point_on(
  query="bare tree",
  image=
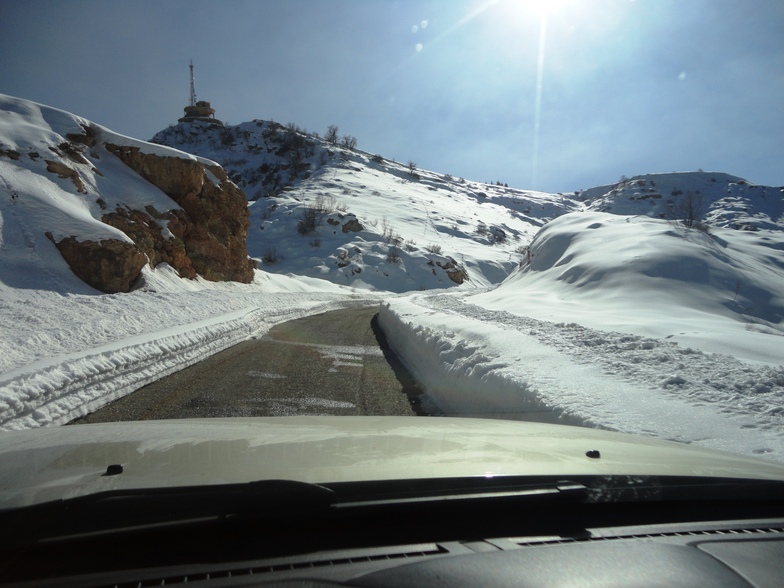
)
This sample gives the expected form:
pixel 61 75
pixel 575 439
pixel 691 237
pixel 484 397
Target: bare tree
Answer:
pixel 689 211
pixel 331 136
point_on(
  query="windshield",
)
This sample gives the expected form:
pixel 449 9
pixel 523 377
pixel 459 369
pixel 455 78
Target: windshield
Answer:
pixel 563 212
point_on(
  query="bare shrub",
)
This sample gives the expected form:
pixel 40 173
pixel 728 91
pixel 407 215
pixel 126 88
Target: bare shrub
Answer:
pixel 270 256
pixel 313 214
pixel 386 228
pixel 323 158
pixel 434 248
pixel 393 255
pixel 325 203
pixel 308 221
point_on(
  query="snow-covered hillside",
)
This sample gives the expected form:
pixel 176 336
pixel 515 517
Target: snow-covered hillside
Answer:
pixel 66 348
pixel 635 274
pixel 601 307
pixel 717 199
pixel 411 229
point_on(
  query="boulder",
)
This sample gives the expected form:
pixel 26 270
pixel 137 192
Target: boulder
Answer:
pixel 352 226
pixel 453 270
pixel 110 265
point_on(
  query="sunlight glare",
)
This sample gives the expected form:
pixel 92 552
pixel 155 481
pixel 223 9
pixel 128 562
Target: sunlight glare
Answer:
pixel 526 8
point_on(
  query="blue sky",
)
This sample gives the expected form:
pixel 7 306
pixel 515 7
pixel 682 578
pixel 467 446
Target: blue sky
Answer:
pixel 466 87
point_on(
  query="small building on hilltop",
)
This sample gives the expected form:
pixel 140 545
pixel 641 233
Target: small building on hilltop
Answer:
pixel 198 110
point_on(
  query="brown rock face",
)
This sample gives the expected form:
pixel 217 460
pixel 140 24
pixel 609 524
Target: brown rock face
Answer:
pixel 146 232
pixel 210 230
pixel 454 271
pixel 352 226
pixel 110 266
pixel 63 171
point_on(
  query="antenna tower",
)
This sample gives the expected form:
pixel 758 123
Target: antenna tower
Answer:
pixel 193 87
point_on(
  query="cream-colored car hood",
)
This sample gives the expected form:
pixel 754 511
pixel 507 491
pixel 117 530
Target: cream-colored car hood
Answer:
pixel 62 462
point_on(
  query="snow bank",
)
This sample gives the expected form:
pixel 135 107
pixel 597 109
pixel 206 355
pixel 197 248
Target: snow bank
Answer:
pixel 473 361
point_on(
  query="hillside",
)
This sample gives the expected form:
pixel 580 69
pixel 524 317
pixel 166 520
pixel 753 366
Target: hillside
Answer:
pixel 379 224
pixel 384 225
pixel 716 198
pixel 103 207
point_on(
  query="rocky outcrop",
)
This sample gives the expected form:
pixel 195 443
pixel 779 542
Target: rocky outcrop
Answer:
pixel 352 225
pixel 453 270
pixel 348 223
pixel 63 171
pixel 110 265
pixel 146 229
pixel 209 231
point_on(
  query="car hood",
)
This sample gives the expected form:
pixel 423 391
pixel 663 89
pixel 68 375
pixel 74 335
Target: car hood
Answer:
pixel 46 464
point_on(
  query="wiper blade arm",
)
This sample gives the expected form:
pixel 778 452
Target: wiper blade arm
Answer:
pixel 116 510
pixel 565 490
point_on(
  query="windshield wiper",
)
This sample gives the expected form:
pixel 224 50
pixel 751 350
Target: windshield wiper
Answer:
pixel 138 508
pixel 545 491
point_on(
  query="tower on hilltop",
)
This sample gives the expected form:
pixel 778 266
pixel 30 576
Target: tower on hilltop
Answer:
pixel 198 110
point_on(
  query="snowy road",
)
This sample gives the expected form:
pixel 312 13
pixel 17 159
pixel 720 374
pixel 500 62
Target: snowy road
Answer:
pixel 333 363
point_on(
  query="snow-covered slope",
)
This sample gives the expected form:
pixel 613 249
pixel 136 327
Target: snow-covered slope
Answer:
pixel 716 198
pixel 65 348
pixel 649 277
pixel 417 227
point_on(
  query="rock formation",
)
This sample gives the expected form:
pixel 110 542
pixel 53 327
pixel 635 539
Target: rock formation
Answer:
pixel 209 230
pixel 110 265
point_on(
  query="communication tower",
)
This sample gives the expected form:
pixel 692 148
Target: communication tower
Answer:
pixel 193 87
